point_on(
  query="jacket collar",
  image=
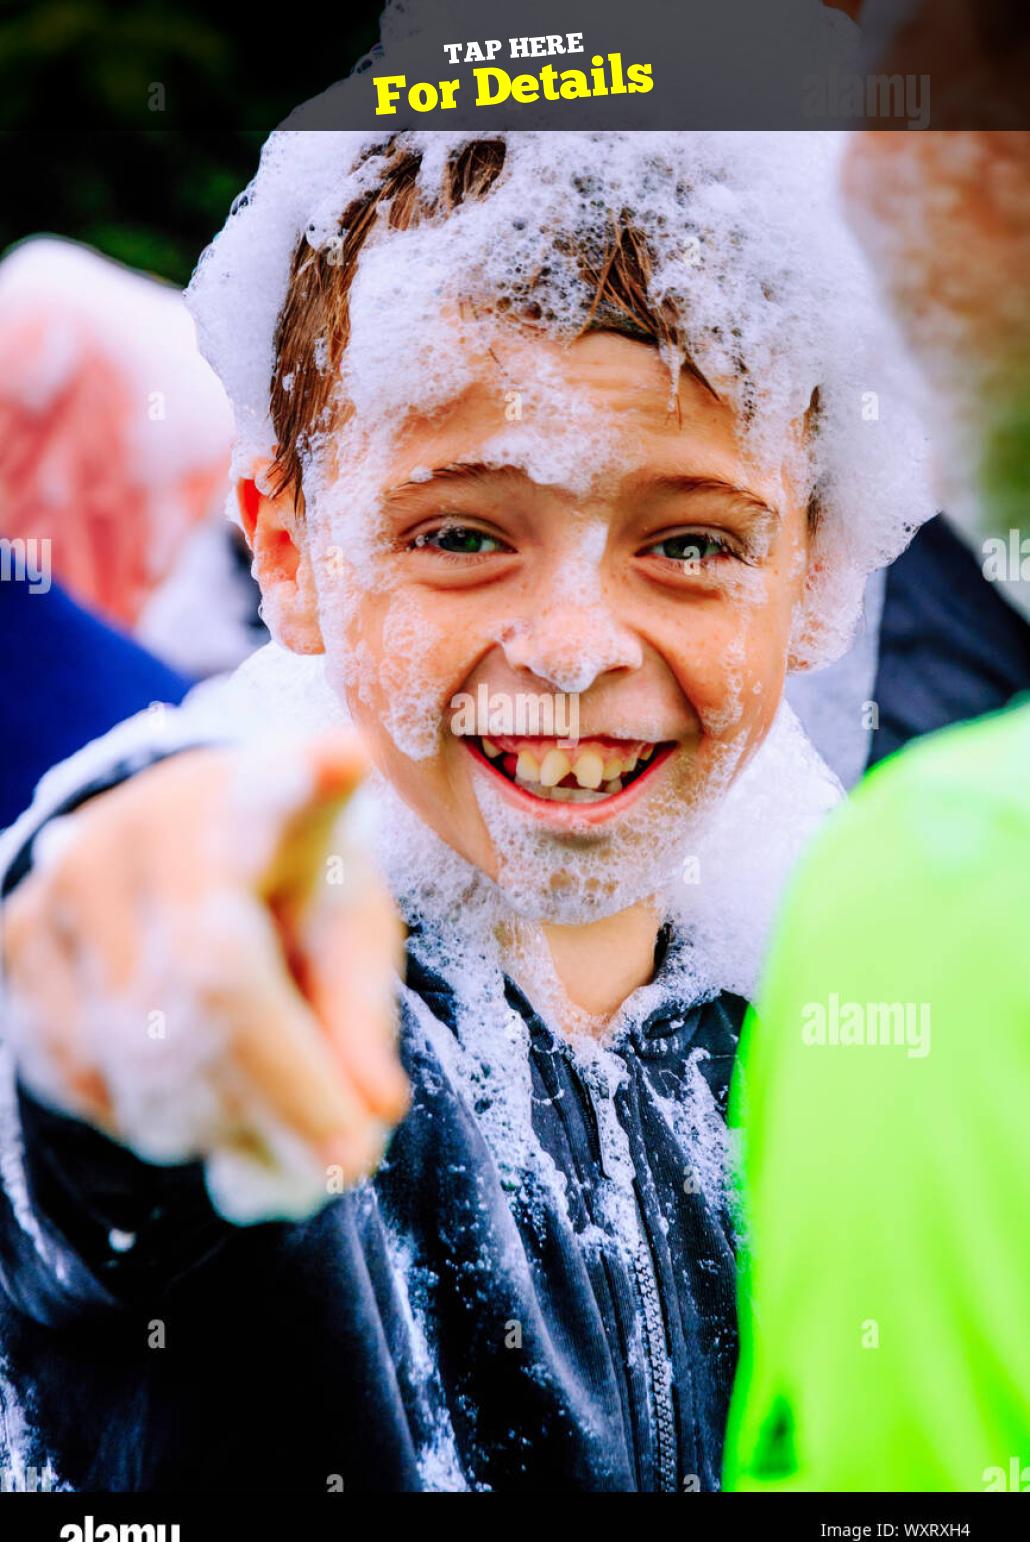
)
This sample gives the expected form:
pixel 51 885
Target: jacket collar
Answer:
pixel 662 1011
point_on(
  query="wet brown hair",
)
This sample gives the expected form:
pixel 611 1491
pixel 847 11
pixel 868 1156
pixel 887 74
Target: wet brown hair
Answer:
pixel 313 328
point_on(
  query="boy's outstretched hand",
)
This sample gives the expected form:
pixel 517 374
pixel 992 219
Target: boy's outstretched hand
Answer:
pixel 203 965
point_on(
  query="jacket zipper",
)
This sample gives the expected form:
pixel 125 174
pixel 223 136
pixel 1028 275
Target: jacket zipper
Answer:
pixel 659 1366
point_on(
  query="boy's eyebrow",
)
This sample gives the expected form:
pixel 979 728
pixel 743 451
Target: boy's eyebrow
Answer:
pixel 647 482
pixel 672 483
pixel 454 471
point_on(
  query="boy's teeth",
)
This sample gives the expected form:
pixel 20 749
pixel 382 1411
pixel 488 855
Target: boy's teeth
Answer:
pixel 553 767
pixel 564 794
pixel 589 770
pixel 597 771
pixel 528 768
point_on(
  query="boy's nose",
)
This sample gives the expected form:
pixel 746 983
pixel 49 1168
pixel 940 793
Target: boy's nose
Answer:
pixel 570 647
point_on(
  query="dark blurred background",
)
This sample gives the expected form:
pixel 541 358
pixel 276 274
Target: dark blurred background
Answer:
pixel 152 196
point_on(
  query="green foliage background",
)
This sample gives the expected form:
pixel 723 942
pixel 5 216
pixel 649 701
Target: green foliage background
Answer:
pixel 152 197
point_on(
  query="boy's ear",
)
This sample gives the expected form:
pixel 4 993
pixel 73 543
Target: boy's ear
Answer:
pixel 282 566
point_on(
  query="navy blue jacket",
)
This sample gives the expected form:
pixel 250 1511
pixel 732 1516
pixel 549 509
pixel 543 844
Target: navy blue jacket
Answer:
pixel 68 678
pixel 951 648
pixel 439 1326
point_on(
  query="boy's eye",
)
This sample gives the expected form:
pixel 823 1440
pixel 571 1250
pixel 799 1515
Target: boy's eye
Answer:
pixel 693 546
pixel 461 539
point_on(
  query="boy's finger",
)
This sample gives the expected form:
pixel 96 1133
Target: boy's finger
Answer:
pixel 341 932
pixel 337 761
pixel 367 1051
pixel 23 916
pixel 43 1027
pixel 289 800
pixel 106 947
pixel 352 960
pixel 279 1046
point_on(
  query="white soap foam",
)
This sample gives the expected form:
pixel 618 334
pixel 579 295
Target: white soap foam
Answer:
pixel 779 304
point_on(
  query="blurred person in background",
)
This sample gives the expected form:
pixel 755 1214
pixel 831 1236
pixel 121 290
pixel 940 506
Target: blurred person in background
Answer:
pixel 122 577
pixel 883 1083
pixel 943 637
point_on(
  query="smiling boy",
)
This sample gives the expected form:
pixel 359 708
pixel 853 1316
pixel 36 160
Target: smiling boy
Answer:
pixel 519 438
pixel 516 586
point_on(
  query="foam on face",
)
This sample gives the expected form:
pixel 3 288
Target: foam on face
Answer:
pixel 413 717
pixel 747 241
pixel 574 605
pixel 571 446
pixel 715 869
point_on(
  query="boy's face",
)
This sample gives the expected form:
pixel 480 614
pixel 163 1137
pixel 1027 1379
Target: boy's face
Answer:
pixel 586 539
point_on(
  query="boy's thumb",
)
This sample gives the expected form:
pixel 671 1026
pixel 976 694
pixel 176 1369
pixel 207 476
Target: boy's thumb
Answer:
pixel 285 804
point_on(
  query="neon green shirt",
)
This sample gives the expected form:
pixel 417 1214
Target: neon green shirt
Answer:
pixel 884 1094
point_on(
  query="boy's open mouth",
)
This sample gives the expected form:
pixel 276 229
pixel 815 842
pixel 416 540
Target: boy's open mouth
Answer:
pixel 592 771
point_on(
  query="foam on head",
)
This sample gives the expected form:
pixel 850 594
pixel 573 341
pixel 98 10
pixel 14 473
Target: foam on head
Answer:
pixel 746 241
